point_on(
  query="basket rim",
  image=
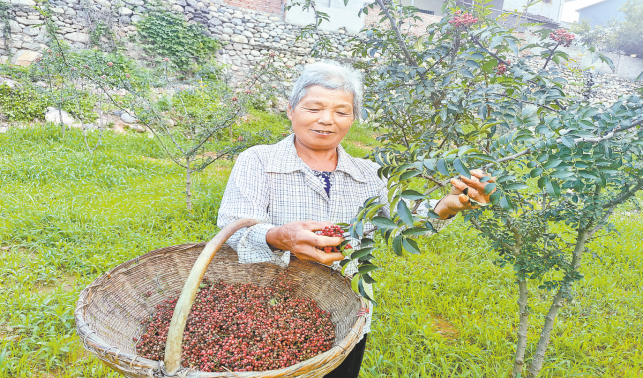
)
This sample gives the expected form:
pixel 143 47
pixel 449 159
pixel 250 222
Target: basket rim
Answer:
pixel 113 356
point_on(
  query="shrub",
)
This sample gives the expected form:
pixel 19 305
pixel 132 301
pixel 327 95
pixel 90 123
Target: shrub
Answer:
pixel 22 103
pixel 167 35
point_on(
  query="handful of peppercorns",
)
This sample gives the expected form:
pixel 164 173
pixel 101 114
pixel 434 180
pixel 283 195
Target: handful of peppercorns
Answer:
pixel 234 327
pixel 333 231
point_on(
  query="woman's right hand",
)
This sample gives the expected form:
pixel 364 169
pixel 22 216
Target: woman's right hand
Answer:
pixel 300 238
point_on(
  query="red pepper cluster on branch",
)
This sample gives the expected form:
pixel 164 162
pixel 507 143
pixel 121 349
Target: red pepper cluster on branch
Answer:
pixel 502 68
pixel 463 19
pixel 563 37
pixel 243 328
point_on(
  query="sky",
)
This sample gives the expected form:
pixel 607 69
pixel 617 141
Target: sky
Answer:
pixel 569 9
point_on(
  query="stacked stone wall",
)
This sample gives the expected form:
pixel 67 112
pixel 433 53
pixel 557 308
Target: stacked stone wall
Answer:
pixel 248 35
pixel 269 6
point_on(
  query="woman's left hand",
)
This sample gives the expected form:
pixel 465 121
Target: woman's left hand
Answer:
pixel 457 201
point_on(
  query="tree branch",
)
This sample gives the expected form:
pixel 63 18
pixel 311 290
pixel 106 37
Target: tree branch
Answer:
pixel 624 196
pixel 609 135
pixel 523 327
pixel 400 39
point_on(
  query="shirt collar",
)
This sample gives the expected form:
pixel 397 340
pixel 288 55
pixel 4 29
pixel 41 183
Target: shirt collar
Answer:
pixel 286 160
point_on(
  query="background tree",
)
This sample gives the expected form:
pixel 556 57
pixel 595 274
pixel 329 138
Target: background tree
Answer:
pixel 196 107
pixel 618 36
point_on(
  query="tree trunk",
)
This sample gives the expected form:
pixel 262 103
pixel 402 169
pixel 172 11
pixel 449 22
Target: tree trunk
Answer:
pixel 523 327
pixel 557 303
pixel 188 184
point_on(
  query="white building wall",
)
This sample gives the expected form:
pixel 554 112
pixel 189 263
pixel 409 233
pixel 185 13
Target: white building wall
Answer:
pixel 430 5
pixel 548 8
pixel 341 16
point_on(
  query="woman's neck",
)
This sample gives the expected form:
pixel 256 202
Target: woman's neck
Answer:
pixel 318 160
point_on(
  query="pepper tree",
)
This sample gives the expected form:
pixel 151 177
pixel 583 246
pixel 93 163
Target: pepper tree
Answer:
pixel 466 93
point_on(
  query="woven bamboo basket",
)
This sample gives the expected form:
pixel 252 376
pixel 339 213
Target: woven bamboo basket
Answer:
pixel 110 310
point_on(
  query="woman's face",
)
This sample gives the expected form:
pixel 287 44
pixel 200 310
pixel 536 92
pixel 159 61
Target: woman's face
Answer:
pixel 322 118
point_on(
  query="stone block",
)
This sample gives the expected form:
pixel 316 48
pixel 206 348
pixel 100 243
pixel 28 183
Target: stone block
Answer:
pixel 31 31
pixel 238 38
pixel 123 11
pixel 227 31
pixel 26 3
pixel 78 37
pixel 26 21
pixel 24 57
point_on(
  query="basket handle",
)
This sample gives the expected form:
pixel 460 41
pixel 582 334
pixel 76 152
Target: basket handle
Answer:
pixel 186 299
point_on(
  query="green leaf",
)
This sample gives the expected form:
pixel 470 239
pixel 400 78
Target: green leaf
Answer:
pixel 529 110
pixel 505 203
pixel 552 163
pixel 515 186
pixel 489 188
pixel 461 168
pixel 404 213
pixel 494 197
pixel 553 189
pixel 472 64
pixel 416 231
pixel 383 223
pixel 482 112
pixel 355 282
pixel 361 253
pixel 365 268
pixel 368 279
pixel 442 167
pixel 568 141
pixel 369 214
pixel 412 195
pixel 562 174
pixel 466 73
pixel 407 175
pixel 536 172
pixel 502 179
pixel 366 292
pixel 397 245
pixel 410 246
pixel 482 157
pixel 429 164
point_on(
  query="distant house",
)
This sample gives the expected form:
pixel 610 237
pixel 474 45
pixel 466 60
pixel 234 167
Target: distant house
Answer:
pixel 345 16
pixel 598 14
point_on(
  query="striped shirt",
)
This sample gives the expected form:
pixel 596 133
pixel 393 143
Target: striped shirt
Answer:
pixel 272 184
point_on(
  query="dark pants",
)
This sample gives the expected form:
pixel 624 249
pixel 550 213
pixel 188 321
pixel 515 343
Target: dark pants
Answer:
pixel 349 368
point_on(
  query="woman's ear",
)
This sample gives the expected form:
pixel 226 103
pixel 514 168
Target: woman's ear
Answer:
pixel 289 112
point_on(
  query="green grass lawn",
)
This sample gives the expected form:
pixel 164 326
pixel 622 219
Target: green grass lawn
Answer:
pixel 67 216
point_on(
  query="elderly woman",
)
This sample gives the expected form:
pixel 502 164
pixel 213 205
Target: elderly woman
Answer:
pixel 307 182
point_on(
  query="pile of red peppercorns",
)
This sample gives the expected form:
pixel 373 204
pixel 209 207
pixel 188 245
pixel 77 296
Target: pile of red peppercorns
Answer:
pixel 563 37
pixel 234 327
pixel 463 19
pixel 332 231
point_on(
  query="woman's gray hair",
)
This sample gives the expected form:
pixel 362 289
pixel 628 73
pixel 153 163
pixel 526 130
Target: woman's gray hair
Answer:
pixel 330 75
